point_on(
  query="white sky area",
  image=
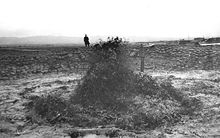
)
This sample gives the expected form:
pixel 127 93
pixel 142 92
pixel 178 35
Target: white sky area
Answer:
pixel 124 18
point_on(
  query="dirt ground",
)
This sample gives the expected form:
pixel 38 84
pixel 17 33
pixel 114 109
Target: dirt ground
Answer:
pixel 24 75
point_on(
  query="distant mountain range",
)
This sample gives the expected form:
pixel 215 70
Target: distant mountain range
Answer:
pixel 77 40
pixel 41 40
pixel 62 39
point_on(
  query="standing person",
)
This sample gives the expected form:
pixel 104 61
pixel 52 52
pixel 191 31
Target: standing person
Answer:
pixel 86 40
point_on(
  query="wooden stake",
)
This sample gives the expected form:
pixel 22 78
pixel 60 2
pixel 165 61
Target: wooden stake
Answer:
pixel 142 57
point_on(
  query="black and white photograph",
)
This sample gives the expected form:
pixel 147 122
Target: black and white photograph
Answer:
pixel 109 69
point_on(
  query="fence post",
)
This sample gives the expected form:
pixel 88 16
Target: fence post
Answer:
pixel 142 55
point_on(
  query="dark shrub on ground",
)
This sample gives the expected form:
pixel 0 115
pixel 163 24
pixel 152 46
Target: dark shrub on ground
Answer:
pixel 191 105
pixel 108 80
pixel 109 83
pixel 47 108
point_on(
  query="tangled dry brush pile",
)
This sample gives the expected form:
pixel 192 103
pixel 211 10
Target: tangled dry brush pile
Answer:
pixel 112 94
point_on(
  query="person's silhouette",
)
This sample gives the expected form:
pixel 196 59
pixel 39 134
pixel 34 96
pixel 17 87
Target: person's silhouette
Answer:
pixel 86 40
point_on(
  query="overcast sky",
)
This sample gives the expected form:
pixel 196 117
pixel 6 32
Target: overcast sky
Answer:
pixel 138 18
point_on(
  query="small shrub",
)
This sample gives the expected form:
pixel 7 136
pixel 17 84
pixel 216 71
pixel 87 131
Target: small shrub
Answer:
pixel 169 92
pixel 47 107
pixel 191 105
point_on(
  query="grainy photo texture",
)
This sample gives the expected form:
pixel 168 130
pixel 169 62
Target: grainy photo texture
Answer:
pixel 109 69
